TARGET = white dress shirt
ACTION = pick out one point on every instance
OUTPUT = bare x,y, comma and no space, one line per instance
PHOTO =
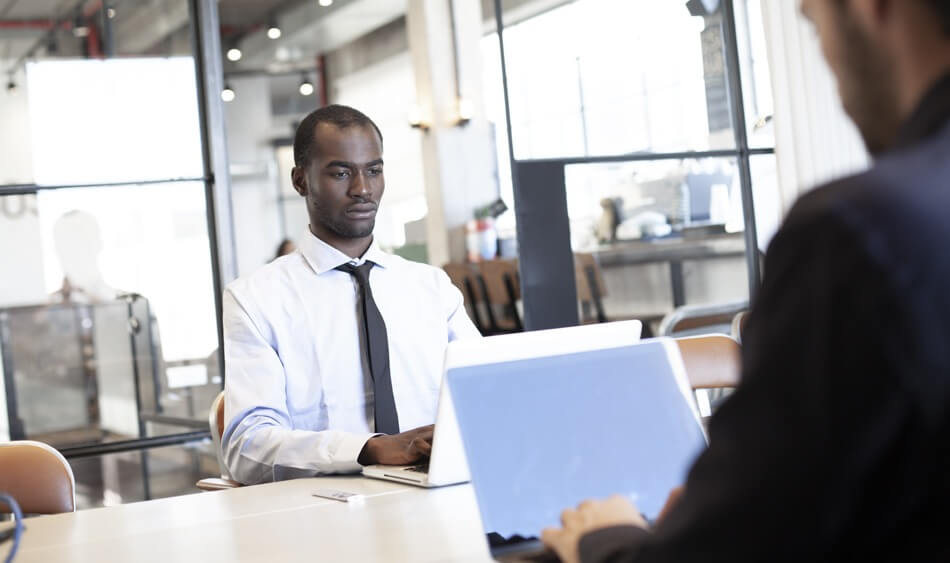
298,399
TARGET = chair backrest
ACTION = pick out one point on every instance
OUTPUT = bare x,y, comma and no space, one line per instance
459,274
38,477
587,269
589,283
494,273
738,325
216,425
463,277
712,361
697,317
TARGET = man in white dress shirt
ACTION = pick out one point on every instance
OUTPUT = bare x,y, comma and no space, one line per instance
324,375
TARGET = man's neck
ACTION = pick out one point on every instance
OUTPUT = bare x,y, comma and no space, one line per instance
352,247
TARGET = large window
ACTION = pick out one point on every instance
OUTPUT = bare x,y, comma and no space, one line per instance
660,113
108,332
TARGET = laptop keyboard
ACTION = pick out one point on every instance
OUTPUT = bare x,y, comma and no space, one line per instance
423,468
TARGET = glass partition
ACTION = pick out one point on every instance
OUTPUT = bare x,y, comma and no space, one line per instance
615,77
109,333
662,233
108,330
655,120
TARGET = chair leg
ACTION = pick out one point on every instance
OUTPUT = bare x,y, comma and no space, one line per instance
595,294
513,302
476,316
492,322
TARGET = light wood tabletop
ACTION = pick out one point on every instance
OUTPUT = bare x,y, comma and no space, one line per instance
276,522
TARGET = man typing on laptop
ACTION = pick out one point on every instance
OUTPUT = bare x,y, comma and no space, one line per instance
334,352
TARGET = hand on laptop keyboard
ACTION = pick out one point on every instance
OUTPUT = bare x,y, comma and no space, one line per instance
404,448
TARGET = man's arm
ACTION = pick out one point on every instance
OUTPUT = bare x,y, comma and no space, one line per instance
259,442
791,451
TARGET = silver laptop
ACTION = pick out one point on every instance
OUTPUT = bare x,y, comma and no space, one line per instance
447,464
579,421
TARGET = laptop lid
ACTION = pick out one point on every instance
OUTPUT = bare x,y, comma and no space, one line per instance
544,433
448,463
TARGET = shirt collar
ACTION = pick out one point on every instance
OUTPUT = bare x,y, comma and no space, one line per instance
931,114
322,257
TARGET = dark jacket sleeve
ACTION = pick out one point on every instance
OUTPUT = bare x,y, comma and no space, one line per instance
789,451
615,544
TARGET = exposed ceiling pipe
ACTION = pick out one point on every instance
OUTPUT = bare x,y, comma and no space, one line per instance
54,23
30,24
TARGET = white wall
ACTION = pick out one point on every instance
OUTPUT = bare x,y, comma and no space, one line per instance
22,252
250,129
815,141
20,247
16,166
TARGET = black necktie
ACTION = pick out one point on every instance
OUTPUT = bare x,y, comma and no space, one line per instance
377,351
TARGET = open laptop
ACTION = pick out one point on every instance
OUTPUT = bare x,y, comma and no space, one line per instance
547,427
447,464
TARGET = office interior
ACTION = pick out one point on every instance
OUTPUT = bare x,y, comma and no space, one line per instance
598,160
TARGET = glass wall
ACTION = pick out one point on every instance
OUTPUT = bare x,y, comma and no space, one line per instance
638,100
665,233
108,329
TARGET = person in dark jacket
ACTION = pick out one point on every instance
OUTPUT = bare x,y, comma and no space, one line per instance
836,445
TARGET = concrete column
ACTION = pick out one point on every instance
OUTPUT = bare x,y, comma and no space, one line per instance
459,160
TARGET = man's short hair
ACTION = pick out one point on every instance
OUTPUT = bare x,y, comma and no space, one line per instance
334,114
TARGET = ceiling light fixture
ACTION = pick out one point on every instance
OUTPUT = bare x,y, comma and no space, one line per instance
325,3
234,54
228,94
273,31
306,87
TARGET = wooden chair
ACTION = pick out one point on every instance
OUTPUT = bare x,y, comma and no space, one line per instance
738,325
591,290
701,318
589,281
464,277
38,477
216,424
502,288
713,365
712,361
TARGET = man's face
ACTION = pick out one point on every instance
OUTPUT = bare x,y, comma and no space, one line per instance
343,183
864,70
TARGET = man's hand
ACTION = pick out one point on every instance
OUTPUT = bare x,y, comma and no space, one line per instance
589,516
399,449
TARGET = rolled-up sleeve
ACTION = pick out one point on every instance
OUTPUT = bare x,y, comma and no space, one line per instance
259,443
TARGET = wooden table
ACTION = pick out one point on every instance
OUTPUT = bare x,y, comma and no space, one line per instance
276,522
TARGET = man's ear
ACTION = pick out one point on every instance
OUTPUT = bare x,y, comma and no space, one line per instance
298,176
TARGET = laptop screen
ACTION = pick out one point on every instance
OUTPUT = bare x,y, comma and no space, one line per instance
544,434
